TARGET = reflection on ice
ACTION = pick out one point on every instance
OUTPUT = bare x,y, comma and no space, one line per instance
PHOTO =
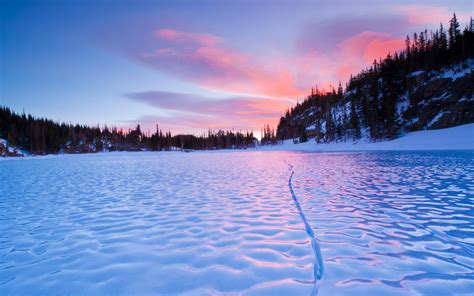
391,223
226,223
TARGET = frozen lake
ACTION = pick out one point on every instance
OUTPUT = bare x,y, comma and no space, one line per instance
378,223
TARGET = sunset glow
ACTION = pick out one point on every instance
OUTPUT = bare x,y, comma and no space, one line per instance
190,66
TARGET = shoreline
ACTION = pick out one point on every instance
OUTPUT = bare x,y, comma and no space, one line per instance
458,138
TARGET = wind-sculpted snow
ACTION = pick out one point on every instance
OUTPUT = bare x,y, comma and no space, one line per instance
151,223
391,223
234,223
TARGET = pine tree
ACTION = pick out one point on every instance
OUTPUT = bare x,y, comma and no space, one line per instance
453,31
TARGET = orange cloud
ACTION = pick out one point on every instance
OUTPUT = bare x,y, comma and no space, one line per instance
202,58
380,48
360,50
202,112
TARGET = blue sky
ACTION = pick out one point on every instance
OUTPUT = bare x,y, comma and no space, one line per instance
127,62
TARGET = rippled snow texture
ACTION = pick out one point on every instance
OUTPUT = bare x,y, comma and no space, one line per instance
226,223
391,223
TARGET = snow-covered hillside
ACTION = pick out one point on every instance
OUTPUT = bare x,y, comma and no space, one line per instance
376,107
455,138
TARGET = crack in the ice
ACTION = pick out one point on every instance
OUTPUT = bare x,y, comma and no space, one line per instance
318,269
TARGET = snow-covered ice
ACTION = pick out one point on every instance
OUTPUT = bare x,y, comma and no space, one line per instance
253,223
391,223
151,223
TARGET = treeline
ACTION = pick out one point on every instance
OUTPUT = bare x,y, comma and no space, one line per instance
43,136
268,136
368,105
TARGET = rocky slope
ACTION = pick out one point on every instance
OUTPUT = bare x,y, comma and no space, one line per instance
440,99
421,100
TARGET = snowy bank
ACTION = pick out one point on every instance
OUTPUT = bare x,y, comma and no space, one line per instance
11,151
455,138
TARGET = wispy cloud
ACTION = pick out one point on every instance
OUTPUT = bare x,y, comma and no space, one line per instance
322,51
202,112
202,39
428,14
204,59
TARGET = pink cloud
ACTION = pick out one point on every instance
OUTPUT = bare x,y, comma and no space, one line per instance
380,48
370,46
360,50
348,56
225,107
195,113
425,15
203,59
202,39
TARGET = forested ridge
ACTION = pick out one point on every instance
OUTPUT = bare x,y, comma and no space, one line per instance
43,136
426,86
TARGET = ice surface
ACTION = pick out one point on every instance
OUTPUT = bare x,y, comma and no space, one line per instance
391,223
151,223
235,223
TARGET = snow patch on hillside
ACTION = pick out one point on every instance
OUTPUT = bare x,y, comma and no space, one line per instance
436,118
416,73
5,149
459,71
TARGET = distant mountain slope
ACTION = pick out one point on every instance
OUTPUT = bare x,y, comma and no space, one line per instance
427,86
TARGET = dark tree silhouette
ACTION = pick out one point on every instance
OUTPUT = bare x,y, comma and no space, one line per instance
43,136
